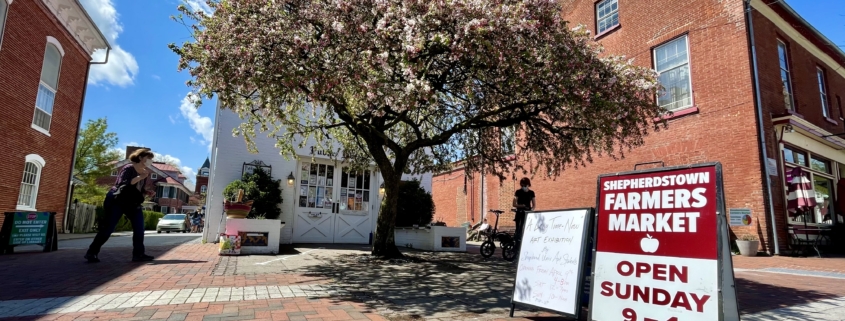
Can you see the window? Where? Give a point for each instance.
(508, 140)
(820, 164)
(114, 172)
(672, 64)
(48, 86)
(203, 189)
(822, 92)
(820, 172)
(607, 15)
(164, 210)
(153, 176)
(316, 188)
(785, 78)
(4, 9)
(28, 194)
(794, 156)
(839, 107)
(165, 192)
(204, 172)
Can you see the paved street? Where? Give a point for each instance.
(189, 281)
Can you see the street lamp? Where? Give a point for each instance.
(290, 179)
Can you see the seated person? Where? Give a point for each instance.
(478, 231)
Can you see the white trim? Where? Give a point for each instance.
(37, 159)
(41, 130)
(802, 41)
(3, 21)
(39, 163)
(56, 43)
(153, 176)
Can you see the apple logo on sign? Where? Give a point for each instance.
(649, 244)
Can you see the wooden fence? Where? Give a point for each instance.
(82, 218)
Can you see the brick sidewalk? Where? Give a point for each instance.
(191, 282)
(183, 267)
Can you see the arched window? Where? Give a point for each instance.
(28, 194)
(4, 12)
(203, 189)
(48, 85)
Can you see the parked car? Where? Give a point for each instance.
(173, 222)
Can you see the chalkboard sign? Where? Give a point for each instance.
(28, 228)
(551, 261)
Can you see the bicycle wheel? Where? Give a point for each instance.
(508, 252)
(487, 249)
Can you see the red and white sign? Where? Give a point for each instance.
(657, 247)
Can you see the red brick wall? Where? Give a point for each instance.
(805, 91)
(201, 181)
(722, 92)
(27, 26)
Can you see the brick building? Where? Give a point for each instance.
(167, 181)
(706, 52)
(46, 49)
(202, 178)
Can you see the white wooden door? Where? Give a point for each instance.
(353, 221)
(314, 217)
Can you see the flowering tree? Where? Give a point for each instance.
(413, 85)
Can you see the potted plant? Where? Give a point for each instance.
(239, 208)
(748, 245)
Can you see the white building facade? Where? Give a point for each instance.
(324, 202)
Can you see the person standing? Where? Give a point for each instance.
(523, 200)
(125, 198)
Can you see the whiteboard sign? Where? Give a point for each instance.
(551, 260)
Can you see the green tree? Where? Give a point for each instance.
(95, 152)
(416, 207)
(414, 85)
(262, 189)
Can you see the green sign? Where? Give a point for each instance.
(29, 228)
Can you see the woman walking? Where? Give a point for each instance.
(125, 198)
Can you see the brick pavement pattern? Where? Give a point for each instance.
(191, 282)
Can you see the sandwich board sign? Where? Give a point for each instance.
(28, 228)
(662, 248)
(550, 265)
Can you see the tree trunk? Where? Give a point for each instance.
(384, 244)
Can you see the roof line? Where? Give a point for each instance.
(812, 29)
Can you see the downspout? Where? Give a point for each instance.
(76, 139)
(761, 132)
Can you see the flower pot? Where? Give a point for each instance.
(747, 248)
(237, 210)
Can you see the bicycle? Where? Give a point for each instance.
(488, 247)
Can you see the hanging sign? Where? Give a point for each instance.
(662, 247)
(551, 260)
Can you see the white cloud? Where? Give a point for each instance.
(200, 5)
(121, 67)
(156, 77)
(187, 171)
(200, 124)
(172, 119)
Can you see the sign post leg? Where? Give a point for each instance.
(513, 306)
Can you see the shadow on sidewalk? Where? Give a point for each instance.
(459, 285)
(32, 275)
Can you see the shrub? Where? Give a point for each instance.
(415, 205)
(262, 190)
(150, 222)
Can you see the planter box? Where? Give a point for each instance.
(256, 236)
(747, 248)
(432, 238)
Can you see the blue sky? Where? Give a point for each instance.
(143, 96)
